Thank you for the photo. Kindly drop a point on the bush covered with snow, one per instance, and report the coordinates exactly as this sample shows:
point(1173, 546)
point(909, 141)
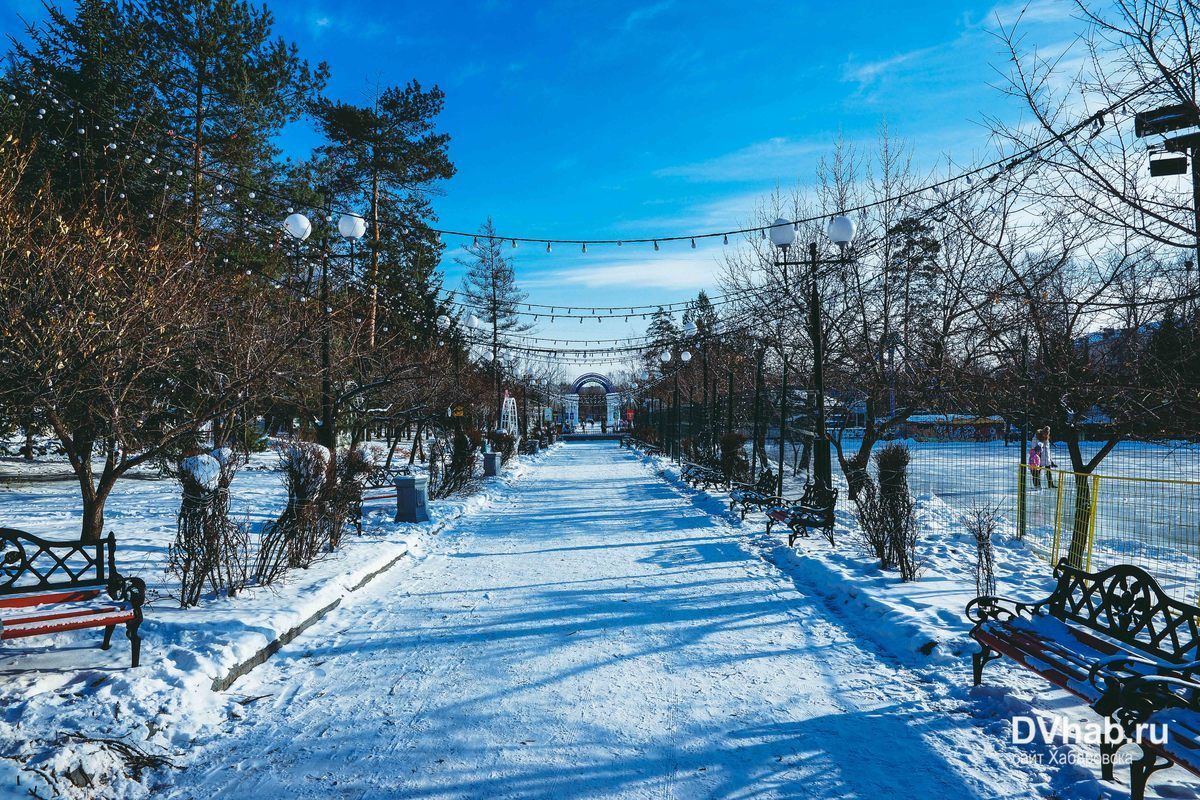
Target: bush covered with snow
point(200, 472)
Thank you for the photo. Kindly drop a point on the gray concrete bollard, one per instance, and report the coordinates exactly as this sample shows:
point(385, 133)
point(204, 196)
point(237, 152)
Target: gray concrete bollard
point(491, 465)
point(412, 502)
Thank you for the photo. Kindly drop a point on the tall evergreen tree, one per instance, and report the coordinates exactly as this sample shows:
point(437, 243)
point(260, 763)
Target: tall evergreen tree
point(490, 288)
point(226, 86)
point(83, 88)
point(390, 156)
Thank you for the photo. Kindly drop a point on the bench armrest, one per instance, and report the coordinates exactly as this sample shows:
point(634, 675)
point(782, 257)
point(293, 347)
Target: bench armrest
point(987, 607)
point(131, 590)
point(1131, 699)
point(1123, 668)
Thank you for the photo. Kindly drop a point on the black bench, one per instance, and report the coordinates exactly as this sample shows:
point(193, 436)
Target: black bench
point(1157, 705)
point(1094, 631)
point(381, 477)
point(754, 496)
point(702, 476)
point(814, 509)
point(51, 587)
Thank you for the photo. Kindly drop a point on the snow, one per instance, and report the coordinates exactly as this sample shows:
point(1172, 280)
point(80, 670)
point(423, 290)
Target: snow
point(224, 456)
point(580, 628)
point(596, 634)
point(205, 471)
point(63, 684)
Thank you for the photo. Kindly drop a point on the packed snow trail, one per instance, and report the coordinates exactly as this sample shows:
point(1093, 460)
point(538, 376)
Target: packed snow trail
point(594, 635)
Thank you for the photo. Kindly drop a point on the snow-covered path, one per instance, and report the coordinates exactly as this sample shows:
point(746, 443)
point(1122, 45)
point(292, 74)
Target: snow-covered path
point(595, 635)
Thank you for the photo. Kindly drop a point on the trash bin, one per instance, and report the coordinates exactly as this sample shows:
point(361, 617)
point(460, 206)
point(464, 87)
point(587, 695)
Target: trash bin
point(412, 501)
point(491, 464)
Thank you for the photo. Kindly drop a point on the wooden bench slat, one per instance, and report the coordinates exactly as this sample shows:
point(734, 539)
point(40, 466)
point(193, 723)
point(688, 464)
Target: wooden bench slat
point(22, 630)
point(43, 597)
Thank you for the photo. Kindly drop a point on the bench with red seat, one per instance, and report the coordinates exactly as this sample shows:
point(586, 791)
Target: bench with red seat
point(1093, 629)
point(56, 586)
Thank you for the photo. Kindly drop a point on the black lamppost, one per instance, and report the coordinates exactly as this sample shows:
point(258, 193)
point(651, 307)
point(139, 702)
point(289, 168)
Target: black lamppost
point(840, 232)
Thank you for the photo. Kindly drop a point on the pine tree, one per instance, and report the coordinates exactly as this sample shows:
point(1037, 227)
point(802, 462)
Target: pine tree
point(704, 315)
point(226, 88)
point(78, 81)
point(490, 289)
point(389, 156)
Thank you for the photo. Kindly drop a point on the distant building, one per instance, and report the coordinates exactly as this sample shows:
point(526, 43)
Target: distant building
point(952, 428)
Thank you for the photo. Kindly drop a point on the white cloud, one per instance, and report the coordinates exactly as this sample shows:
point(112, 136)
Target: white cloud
point(765, 160)
point(646, 271)
point(869, 72)
point(1031, 11)
point(644, 13)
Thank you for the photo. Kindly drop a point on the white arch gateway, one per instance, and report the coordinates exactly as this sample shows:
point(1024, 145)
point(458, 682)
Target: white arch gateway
point(612, 400)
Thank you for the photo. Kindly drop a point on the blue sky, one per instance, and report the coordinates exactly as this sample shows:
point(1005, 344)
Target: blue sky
point(626, 119)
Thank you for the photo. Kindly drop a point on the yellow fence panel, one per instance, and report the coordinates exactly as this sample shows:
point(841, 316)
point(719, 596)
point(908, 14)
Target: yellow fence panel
point(1104, 520)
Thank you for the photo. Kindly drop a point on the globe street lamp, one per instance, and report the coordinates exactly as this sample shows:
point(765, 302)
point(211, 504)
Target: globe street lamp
point(841, 230)
point(297, 226)
point(783, 234)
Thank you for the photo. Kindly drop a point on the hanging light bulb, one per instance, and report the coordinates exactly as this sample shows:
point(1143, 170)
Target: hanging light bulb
point(656, 246)
point(514, 244)
point(725, 239)
point(443, 322)
point(585, 248)
point(693, 243)
point(547, 247)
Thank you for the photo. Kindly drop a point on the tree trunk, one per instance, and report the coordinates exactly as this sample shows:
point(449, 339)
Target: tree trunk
point(1081, 524)
point(93, 519)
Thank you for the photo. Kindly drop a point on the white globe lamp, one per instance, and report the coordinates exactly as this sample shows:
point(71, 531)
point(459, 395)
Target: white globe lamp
point(782, 234)
point(352, 226)
point(841, 230)
point(297, 226)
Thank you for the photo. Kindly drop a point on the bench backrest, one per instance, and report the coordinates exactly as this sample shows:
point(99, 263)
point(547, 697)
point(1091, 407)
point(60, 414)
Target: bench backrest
point(1127, 604)
point(29, 563)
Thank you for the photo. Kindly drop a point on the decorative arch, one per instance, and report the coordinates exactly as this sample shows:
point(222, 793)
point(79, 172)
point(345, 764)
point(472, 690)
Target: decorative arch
point(592, 377)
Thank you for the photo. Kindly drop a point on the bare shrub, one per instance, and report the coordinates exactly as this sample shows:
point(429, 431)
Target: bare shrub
point(452, 461)
point(734, 463)
point(209, 548)
point(354, 466)
point(886, 513)
point(983, 521)
point(302, 531)
point(503, 443)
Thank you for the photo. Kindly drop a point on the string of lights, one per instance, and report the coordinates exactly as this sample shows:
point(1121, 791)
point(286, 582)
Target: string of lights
point(988, 172)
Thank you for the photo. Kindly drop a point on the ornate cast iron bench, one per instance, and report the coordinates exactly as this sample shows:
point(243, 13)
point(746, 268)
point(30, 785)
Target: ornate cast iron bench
point(702, 476)
point(755, 495)
point(51, 587)
point(814, 509)
point(1092, 629)
point(381, 477)
point(1157, 705)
